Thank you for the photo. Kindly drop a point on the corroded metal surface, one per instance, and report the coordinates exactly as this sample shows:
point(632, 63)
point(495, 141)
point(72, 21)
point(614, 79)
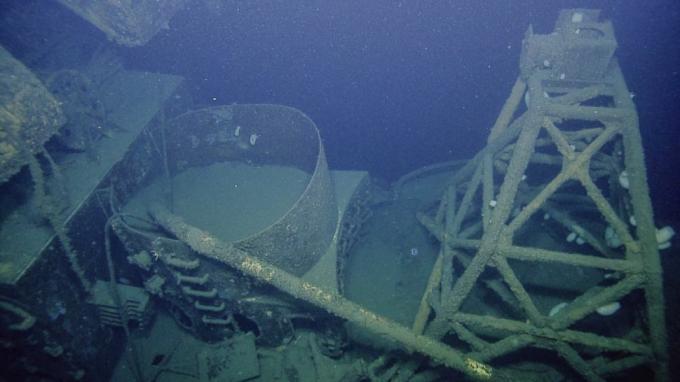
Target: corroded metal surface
point(266, 134)
point(128, 23)
point(29, 115)
point(557, 167)
point(211, 247)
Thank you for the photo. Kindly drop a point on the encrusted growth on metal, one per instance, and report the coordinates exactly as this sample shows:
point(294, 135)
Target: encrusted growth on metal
point(561, 159)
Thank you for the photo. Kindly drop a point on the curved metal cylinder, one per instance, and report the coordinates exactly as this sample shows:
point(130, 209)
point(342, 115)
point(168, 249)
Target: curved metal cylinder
point(273, 135)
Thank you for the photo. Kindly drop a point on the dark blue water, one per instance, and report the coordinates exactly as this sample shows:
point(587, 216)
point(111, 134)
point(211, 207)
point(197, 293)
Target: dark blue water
point(396, 85)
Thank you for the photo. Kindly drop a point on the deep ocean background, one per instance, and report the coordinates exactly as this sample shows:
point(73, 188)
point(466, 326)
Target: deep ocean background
point(394, 85)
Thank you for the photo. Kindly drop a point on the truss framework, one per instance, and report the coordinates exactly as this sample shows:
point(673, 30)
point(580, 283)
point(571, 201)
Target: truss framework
point(586, 132)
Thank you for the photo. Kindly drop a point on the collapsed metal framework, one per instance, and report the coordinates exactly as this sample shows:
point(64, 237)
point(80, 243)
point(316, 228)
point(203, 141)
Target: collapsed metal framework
point(574, 156)
point(565, 155)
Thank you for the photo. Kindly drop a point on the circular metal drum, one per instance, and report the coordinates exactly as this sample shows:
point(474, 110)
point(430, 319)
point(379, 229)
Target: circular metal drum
point(254, 176)
point(272, 136)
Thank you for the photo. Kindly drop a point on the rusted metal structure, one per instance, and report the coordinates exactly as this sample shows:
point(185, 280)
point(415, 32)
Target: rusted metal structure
point(29, 115)
point(212, 248)
point(204, 296)
point(127, 23)
point(565, 155)
point(197, 274)
point(265, 134)
point(47, 256)
point(570, 162)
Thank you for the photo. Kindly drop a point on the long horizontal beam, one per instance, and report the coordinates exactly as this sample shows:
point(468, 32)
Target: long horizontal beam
point(213, 248)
